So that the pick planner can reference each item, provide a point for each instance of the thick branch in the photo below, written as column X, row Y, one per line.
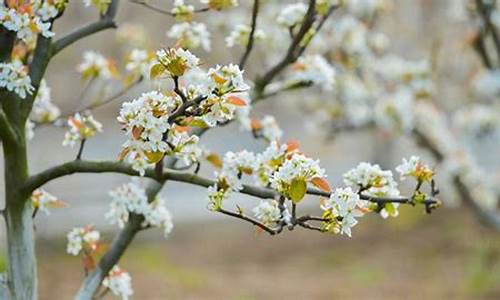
column 82, row 166
column 121, row 242
column 7, row 132
column 106, row 21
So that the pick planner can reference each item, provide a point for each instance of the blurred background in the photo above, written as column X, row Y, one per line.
column 447, row 254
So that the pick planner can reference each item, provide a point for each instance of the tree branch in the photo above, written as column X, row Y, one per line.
column 7, row 132
column 163, row 11
column 247, row 219
column 121, row 242
column 291, row 55
column 251, row 37
column 106, row 21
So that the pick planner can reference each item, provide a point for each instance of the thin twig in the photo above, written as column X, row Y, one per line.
column 248, row 219
column 251, row 37
column 164, row 11
column 80, row 149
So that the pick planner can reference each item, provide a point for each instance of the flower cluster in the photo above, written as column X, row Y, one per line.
column 131, row 198
column 14, row 77
column 95, row 65
column 220, row 4
column 139, row 63
column 145, row 121
column 81, row 127
column 292, row 177
column 84, row 239
column 174, row 61
column 292, row 14
column 240, row 35
column 234, row 165
column 29, row 19
column 267, row 128
column 182, row 11
column 314, row 69
column 413, row 167
column 42, row 200
column 44, row 111
column 282, row 168
column 267, row 212
column 371, row 180
column 190, row 35
column 341, row 210
column 119, row 282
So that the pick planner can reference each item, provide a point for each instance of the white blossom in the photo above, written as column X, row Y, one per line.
column 346, row 204
column 43, row 200
column 267, row 212
column 81, row 127
column 43, row 109
column 119, row 282
column 190, row 35
column 132, row 198
column 270, row 129
column 372, row 180
column 292, row 14
column 314, row 69
column 14, row 77
column 241, row 34
column 95, row 65
column 82, row 238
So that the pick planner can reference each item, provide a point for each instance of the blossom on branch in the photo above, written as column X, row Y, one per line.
column 190, row 35
column 95, row 65
column 131, row 198
column 83, row 238
column 220, row 4
column 241, row 34
column 14, row 77
column 81, row 127
column 119, row 282
column 42, row 200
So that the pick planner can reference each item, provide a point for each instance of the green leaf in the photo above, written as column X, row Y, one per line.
column 156, row 71
column 297, row 190
column 391, row 210
column 197, row 123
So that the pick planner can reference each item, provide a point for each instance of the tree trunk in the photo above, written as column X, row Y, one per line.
column 22, row 270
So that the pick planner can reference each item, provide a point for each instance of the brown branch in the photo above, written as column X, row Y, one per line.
column 251, row 37
column 164, row 11
column 291, row 55
column 247, row 219
column 106, row 21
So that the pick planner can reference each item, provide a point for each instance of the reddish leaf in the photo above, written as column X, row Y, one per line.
column 322, row 184
column 236, row 101
column 292, row 145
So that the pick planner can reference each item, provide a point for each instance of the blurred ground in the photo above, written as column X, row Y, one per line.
column 444, row 255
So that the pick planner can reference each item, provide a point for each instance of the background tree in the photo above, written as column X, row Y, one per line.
column 182, row 101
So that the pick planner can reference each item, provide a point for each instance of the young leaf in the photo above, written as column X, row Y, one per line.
column 156, row 71
column 297, row 190
column 236, row 101
column 154, row 157
column 292, row 145
column 214, row 159
column 322, row 184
